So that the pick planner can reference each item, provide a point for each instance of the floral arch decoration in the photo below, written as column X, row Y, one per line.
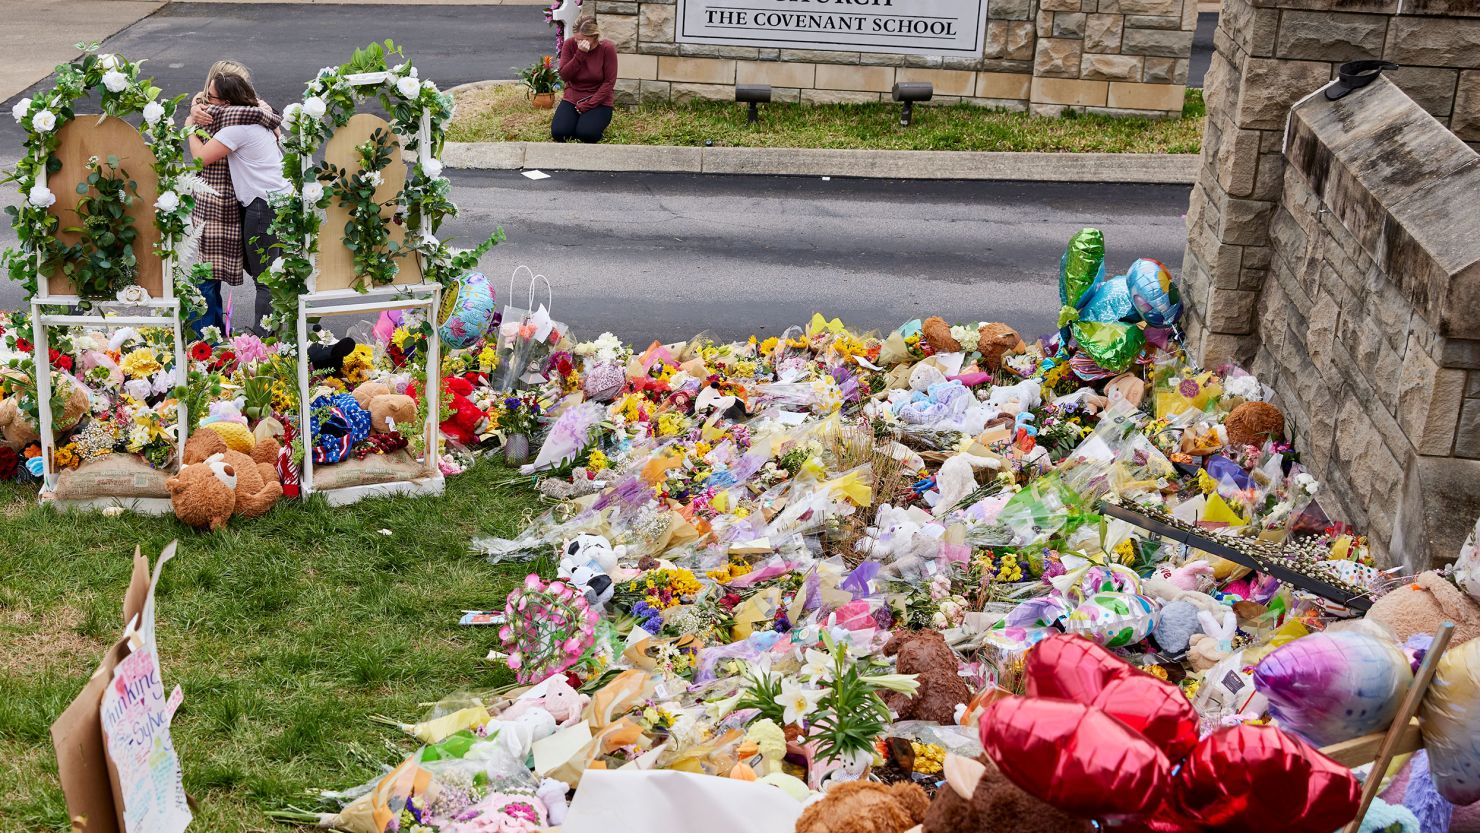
column 121, row 93
column 419, row 114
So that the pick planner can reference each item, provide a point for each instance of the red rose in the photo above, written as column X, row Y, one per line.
column 64, row 362
column 200, row 351
column 9, row 462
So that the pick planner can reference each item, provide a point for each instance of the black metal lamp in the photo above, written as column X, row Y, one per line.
column 754, row 95
column 909, row 92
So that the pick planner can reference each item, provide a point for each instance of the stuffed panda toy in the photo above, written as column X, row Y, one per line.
column 587, row 562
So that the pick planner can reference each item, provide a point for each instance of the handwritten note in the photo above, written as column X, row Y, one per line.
column 136, row 725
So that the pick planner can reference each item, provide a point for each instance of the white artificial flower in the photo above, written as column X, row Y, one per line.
column 115, row 81
column 108, row 61
column 408, row 87
column 163, row 382
column 797, row 702
column 1246, row 387
column 133, row 294
column 429, row 84
column 41, row 196
column 313, row 192
column 138, row 388
column 43, row 121
column 412, row 73
column 432, row 168
column 20, row 108
column 153, row 112
column 375, row 178
column 167, row 202
column 314, row 107
column 277, row 266
column 818, row 666
column 291, row 112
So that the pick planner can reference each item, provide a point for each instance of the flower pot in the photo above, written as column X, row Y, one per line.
column 516, row 450
column 544, row 101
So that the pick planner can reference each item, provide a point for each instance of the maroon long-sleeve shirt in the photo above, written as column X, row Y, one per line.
column 589, row 76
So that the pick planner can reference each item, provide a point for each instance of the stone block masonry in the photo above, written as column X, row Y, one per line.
column 1329, row 246
column 1126, row 57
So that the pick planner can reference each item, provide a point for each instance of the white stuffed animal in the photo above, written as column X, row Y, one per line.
column 1215, row 643
column 901, row 540
column 587, row 562
column 1024, row 396
column 957, row 478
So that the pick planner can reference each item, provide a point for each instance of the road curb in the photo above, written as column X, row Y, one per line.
column 1148, row 168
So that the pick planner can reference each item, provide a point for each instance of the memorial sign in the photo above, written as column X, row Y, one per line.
column 913, row 27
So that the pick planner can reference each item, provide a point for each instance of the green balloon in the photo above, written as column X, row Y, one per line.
column 1081, row 264
column 1111, row 344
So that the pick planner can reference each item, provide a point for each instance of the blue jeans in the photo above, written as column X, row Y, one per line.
column 215, row 314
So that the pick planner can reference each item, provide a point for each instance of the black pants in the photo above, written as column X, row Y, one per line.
column 586, row 127
column 261, row 250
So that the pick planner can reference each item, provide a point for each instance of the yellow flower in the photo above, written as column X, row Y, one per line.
column 488, row 358
column 400, row 336
column 140, row 364
column 1205, row 483
column 769, row 345
column 597, row 461
column 66, row 457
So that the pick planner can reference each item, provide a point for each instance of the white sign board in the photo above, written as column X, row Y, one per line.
column 911, row 27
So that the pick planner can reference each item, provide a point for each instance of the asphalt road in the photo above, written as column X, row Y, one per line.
column 667, row 255
column 285, row 45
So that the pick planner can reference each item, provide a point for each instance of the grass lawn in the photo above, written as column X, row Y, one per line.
column 286, row 634
column 501, row 114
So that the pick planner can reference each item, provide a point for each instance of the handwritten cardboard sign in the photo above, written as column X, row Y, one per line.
column 115, row 758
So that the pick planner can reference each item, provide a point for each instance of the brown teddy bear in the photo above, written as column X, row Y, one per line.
column 204, row 493
column 978, row 798
column 938, row 335
column 1252, row 423
column 257, row 487
column 387, row 409
column 18, row 431
column 926, row 654
column 994, row 341
column 865, row 807
column 1424, row 604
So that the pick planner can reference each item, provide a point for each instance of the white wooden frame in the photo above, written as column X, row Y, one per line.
column 425, row 295
column 162, row 312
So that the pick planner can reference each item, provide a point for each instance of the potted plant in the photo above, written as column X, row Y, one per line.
column 543, row 82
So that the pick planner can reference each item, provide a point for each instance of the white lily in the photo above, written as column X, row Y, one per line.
column 818, row 666
column 902, row 683
column 797, row 702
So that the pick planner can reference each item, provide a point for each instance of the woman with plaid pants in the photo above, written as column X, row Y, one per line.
column 234, row 221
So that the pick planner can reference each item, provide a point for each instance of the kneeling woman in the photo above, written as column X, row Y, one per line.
column 588, row 66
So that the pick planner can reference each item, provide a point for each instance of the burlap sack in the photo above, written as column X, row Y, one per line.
column 375, row 468
column 114, row 475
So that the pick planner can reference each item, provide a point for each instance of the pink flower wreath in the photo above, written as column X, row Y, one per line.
column 547, row 628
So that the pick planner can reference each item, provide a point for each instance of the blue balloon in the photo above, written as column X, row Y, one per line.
column 1109, row 300
column 1155, row 296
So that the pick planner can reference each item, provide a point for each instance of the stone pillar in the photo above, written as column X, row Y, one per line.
column 1268, row 54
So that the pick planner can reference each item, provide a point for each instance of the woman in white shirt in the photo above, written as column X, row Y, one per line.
column 256, row 162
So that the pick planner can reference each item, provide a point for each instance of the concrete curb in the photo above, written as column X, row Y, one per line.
column 1151, row 168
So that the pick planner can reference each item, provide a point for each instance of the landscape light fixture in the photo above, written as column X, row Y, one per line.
column 1354, row 75
column 754, row 95
column 909, row 92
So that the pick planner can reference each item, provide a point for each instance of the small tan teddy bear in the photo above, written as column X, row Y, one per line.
column 387, row 410
column 254, row 481
column 204, row 494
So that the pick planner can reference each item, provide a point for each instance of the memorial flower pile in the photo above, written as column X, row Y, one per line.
column 829, row 556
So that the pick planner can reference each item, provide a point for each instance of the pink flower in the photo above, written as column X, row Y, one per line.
column 249, row 348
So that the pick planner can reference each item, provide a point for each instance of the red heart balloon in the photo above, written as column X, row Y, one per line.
column 1071, row 668
column 1075, row 757
column 1257, row 779
column 1155, row 708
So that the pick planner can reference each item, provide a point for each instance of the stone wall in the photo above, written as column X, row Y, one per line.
column 1113, row 56
column 1268, row 54
column 1369, row 322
